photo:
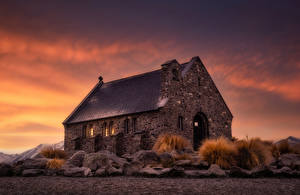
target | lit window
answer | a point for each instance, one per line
(196, 124)
(111, 130)
(92, 132)
(104, 129)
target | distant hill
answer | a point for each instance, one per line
(31, 153)
(293, 141)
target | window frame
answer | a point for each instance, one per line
(180, 123)
(126, 125)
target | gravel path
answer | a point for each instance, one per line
(134, 185)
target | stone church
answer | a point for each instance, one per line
(128, 114)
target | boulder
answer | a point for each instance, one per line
(289, 160)
(6, 169)
(239, 172)
(100, 172)
(176, 171)
(77, 158)
(77, 172)
(196, 173)
(166, 159)
(149, 172)
(283, 172)
(112, 171)
(33, 172)
(128, 157)
(183, 163)
(95, 161)
(36, 163)
(261, 171)
(215, 171)
(132, 168)
(200, 164)
(146, 157)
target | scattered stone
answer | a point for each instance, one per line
(239, 172)
(289, 160)
(5, 169)
(215, 171)
(132, 168)
(283, 172)
(146, 157)
(36, 163)
(33, 172)
(196, 173)
(77, 172)
(149, 172)
(166, 159)
(261, 171)
(128, 157)
(183, 163)
(95, 161)
(77, 158)
(112, 171)
(176, 172)
(100, 172)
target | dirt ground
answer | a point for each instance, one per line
(138, 185)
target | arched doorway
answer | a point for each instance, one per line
(200, 125)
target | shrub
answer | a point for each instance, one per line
(218, 151)
(252, 152)
(169, 142)
(51, 152)
(284, 147)
(55, 163)
(275, 151)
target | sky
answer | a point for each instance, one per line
(52, 53)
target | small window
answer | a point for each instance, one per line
(126, 125)
(92, 131)
(175, 75)
(180, 123)
(111, 129)
(104, 129)
(83, 131)
(134, 124)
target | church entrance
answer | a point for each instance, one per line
(200, 125)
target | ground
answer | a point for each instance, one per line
(138, 185)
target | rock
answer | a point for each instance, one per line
(295, 173)
(128, 157)
(283, 172)
(95, 161)
(132, 168)
(196, 173)
(6, 169)
(239, 172)
(261, 171)
(149, 172)
(201, 164)
(112, 171)
(183, 163)
(51, 172)
(215, 171)
(77, 172)
(176, 172)
(166, 159)
(289, 160)
(100, 172)
(146, 157)
(77, 158)
(33, 172)
(36, 163)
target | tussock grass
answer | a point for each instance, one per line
(51, 152)
(168, 142)
(253, 152)
(218, 151)
(55, 163)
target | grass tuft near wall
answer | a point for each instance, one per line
(51, 152)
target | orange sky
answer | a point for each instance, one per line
(46, 70)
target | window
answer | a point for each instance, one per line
(199, 81)
(83, 131)
(104, 130)
(126, 125)
(180, 122)
(134, 124)
(111, 129)
(175, 75)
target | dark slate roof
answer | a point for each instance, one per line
(134, 94)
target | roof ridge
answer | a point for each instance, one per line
(130, 77)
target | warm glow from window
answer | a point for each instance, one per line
(106, 132)
(113, 131)
(196, 124)
(92, 132)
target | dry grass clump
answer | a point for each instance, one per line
(253, 152)
(51, 152)
(218, 151)
(284, 147)
(169, 142)
(55, 163)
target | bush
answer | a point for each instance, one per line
(55, 163)
(51, 152)
(252, 153)
(169, 142)
(218, 151)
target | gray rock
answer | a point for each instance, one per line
(132, 168)
(196, 173)
(239, 172)
(36, 163)
(176, 172)
(166, 159)
(215, 171)
(112, 171)
(77, 158)
(146, 157)
(289, 160)
(183, 163)
(283, 172)
(128, 157)
(33, 172)
(6, 169)
(200, 164)
(77, 172)
(149, 172)
(100, 172)
(261, 171)
(95, 161)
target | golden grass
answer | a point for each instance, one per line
(253, 152)
(218, 151)
(168, 142)
(55, 163)
(51, 152)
